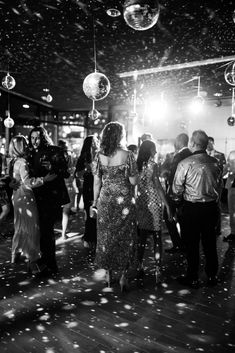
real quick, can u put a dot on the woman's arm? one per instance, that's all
(161, 192)
(97, 186)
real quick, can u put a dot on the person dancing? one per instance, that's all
(26, 239)
(150, 195)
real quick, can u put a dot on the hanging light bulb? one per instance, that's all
(49, 98)
(94, 113)
(9, 122)
(8, 81)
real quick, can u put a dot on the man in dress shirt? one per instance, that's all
(198, 181)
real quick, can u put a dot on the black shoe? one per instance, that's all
(212, 281)
(188, 281)
(229, 237)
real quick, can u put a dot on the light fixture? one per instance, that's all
(197, 103)
(26, 106)
(231, 119)
(113, 12)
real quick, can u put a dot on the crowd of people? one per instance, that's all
(124, 199)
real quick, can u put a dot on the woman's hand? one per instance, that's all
(93, 212)
(49, 177)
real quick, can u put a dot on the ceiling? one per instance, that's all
(49, 44)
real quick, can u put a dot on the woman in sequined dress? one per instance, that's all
(150, 196)
(115, 173)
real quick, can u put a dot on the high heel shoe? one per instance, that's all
(123, 283)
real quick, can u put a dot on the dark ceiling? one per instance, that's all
(49, 43)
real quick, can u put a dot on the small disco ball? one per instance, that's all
(94, 114)
(141, 14)
(229, 74)
(9, 122)
(113, 12)
(231, 121)
(8, 81)
(96, 86)
(49, 98)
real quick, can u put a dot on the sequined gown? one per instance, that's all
(148, 202)
(116, 217)
(26, 237)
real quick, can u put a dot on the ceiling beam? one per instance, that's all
(27, 99)
(186, 65)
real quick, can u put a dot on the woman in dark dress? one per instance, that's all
(84, 173)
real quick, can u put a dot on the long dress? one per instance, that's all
(26, 239)
(148, 202)
(90, 233)
(116, 217)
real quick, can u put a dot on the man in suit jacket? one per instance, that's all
(221, 161)
(182, 152)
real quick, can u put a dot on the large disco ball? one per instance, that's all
(96, 86)
(8, 81)
(229, 74)
(141, 14)
(9, 122)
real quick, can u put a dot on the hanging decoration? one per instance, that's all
(8, 81)
(229, 73)
(94, 113)
(113, 12)
(96, 85)
(48, 98)
(141, 14)
(231, 119)
(9, 122)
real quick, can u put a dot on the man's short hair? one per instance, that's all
(200, 138)
(182, 139)
(211, 138)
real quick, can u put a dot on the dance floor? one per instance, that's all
(75, 312)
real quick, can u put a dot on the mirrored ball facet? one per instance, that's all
(141, 14)
(8, 82)
(96, 86)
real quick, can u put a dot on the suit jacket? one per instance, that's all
(184, 153)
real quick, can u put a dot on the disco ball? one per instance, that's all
(8, 81)
(9, 122)
(94, 114)
(96, 86)
(231, 121)
(229, 74)
(141, 14)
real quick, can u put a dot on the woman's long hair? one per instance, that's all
(145, 152)
(44, 137)
(113, 137)
(17, 146)
(89, 144)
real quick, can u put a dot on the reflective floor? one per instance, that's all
(75, 311)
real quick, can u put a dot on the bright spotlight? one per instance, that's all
(196, 105)
(155, 109)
